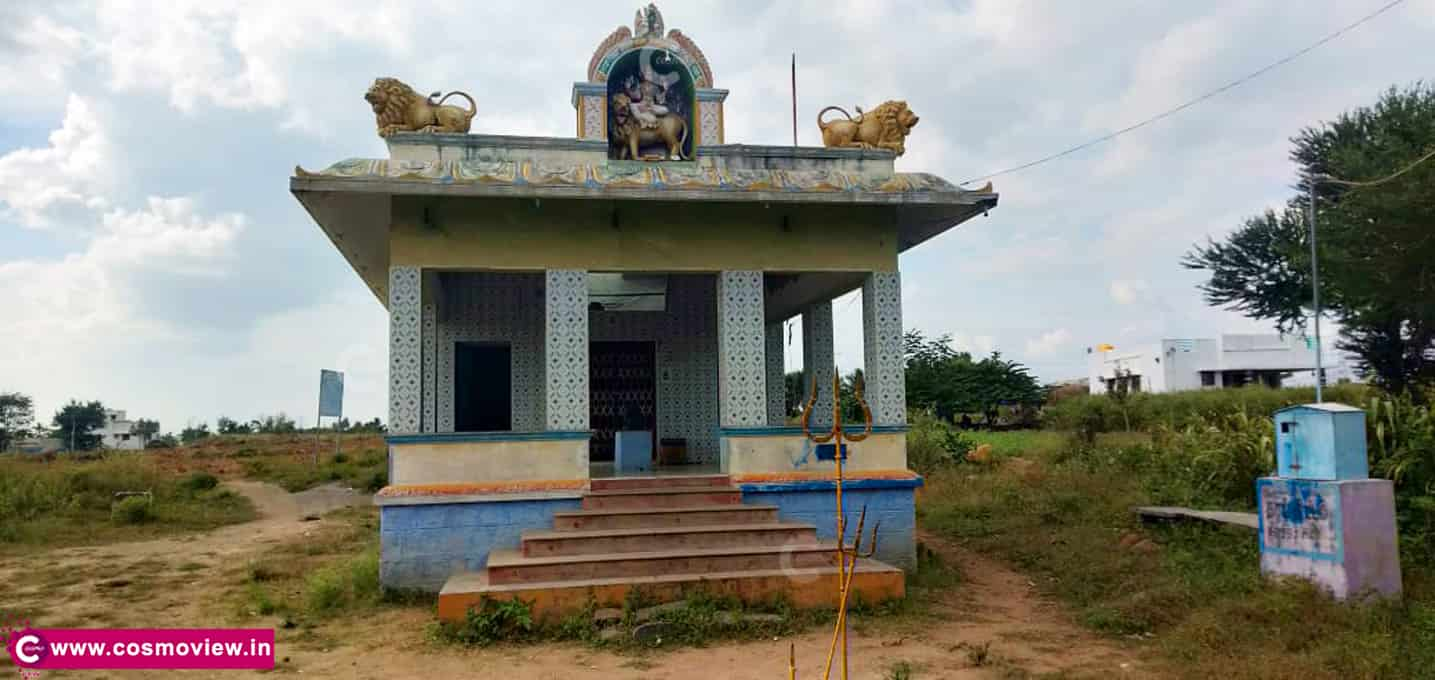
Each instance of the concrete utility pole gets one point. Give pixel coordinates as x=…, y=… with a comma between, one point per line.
x=1315, y=290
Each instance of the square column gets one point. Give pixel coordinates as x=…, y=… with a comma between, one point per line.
x=405, y=349
x=430, y=295
x=776, y=377
x=566, y=348
x=883, y=368
x=742, y=339
x=817, y=360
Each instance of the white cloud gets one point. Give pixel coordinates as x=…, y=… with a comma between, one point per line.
x=1049, y=342
x=1125, y=291
x=35, y=183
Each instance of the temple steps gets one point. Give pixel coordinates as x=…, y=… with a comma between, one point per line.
x=658, y=539
x=665, y=535
x=637, y=518
x=673, y=497
x=669, y=482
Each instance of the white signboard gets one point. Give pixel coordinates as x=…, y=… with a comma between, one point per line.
x=1300, y=517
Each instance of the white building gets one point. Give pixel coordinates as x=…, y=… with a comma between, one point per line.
x=115, y=434
x=1190, y=364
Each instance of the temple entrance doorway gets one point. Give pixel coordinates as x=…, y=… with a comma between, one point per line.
x=622, y=392
x=483, y=387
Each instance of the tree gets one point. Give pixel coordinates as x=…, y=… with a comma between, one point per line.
x=144, y=429
x=1375, y=245
x=17, y=418
x=227, y=425
x=75, y=424
x=947, y=382
x=194, y=433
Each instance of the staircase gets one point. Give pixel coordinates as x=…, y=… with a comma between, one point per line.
x=665, y=535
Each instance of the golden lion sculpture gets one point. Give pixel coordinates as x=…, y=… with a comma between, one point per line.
x=630, y=135
x=398, y=108
x=885, y=127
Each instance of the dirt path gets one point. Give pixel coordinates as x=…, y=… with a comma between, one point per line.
x=994, y=609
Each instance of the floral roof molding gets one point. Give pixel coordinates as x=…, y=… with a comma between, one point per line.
x=641, y=177
x=647, y=31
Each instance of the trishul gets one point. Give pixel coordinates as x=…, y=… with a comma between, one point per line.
x=846, y=557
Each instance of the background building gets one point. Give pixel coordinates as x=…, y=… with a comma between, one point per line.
x=1190, y=364
x=116, y=432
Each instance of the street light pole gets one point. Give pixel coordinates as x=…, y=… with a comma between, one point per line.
x=1315, y=290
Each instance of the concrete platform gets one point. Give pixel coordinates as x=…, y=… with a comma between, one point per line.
x=658, y=481
x=630, y=518
x=653, y=539
x=802, y=587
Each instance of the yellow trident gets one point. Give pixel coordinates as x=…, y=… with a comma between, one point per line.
x=846, y=557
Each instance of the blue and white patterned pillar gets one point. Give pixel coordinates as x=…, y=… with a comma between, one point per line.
x=566, y=348
x=817, y=359
x=742, y=339
x=776, y=376
x=429, y=334
x=886, y=389
x=405, y=349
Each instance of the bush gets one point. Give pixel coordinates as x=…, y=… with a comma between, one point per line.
x=492, y=621
x=338, y=586
x=1141, y=412
x=132, y=510
x=199, y=481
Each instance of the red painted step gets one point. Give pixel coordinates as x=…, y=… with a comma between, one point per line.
x=665, y=482
x=633, y=518
x=678, y=497
x=601, y=541
x=510, y=566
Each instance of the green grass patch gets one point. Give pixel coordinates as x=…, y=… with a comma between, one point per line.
x=365, y=470
x=67, y=502
x=1198, y=596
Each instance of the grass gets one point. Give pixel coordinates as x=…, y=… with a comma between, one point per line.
x=68, y=501
x=1199, y=597
x=366, y=470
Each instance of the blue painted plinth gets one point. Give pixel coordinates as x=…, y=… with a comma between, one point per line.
x=421, y=545
x=632, y=451
x=891, y=502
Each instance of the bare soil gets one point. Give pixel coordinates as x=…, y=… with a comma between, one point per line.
x=993, y=625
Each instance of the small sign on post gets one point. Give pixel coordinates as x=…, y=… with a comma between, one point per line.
x=331, y=404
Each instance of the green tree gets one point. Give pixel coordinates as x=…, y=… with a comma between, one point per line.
x=144, y=429
x=1374, y=241
x=17, y=418
x=796, y=393
x=194, y=433
x=227, y=425
x=76, y=422
x=947, y=382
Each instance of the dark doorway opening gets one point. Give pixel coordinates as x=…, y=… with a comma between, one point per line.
x=482, y=387
x=623, y=387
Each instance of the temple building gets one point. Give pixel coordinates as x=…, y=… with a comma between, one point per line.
x=586, y=353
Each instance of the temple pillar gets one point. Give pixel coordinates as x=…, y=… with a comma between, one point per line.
x=430, y=295
x=405, y=349
x=886, y=389
x=817, y=360
x=566, y=349
x=742, y=339
x=776, y=376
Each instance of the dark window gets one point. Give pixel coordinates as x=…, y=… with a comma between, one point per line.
x=482, y=387
x=1208, y=378
x=623, y=392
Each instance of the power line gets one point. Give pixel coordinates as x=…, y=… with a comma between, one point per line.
x=1170, y=112
x=1327, y=179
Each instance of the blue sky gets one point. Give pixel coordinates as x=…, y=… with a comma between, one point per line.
x=152, y=257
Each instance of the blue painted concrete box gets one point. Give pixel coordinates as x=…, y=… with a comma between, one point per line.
x=424, y=540
x=890, y=501
x=1339, y=534
x=1321, y=441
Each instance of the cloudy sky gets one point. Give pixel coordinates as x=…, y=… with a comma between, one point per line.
x=152, y=257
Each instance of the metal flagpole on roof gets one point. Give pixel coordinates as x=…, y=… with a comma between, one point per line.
x=794, y=99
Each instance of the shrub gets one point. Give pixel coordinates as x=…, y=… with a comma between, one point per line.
x=132, y=510
x=324, y=590
x=199, y=481
x=492, y=621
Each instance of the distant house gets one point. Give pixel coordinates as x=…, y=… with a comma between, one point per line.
x=1203, y=363
x=115, y=434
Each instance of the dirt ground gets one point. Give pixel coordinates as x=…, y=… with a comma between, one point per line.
x=170, y=582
